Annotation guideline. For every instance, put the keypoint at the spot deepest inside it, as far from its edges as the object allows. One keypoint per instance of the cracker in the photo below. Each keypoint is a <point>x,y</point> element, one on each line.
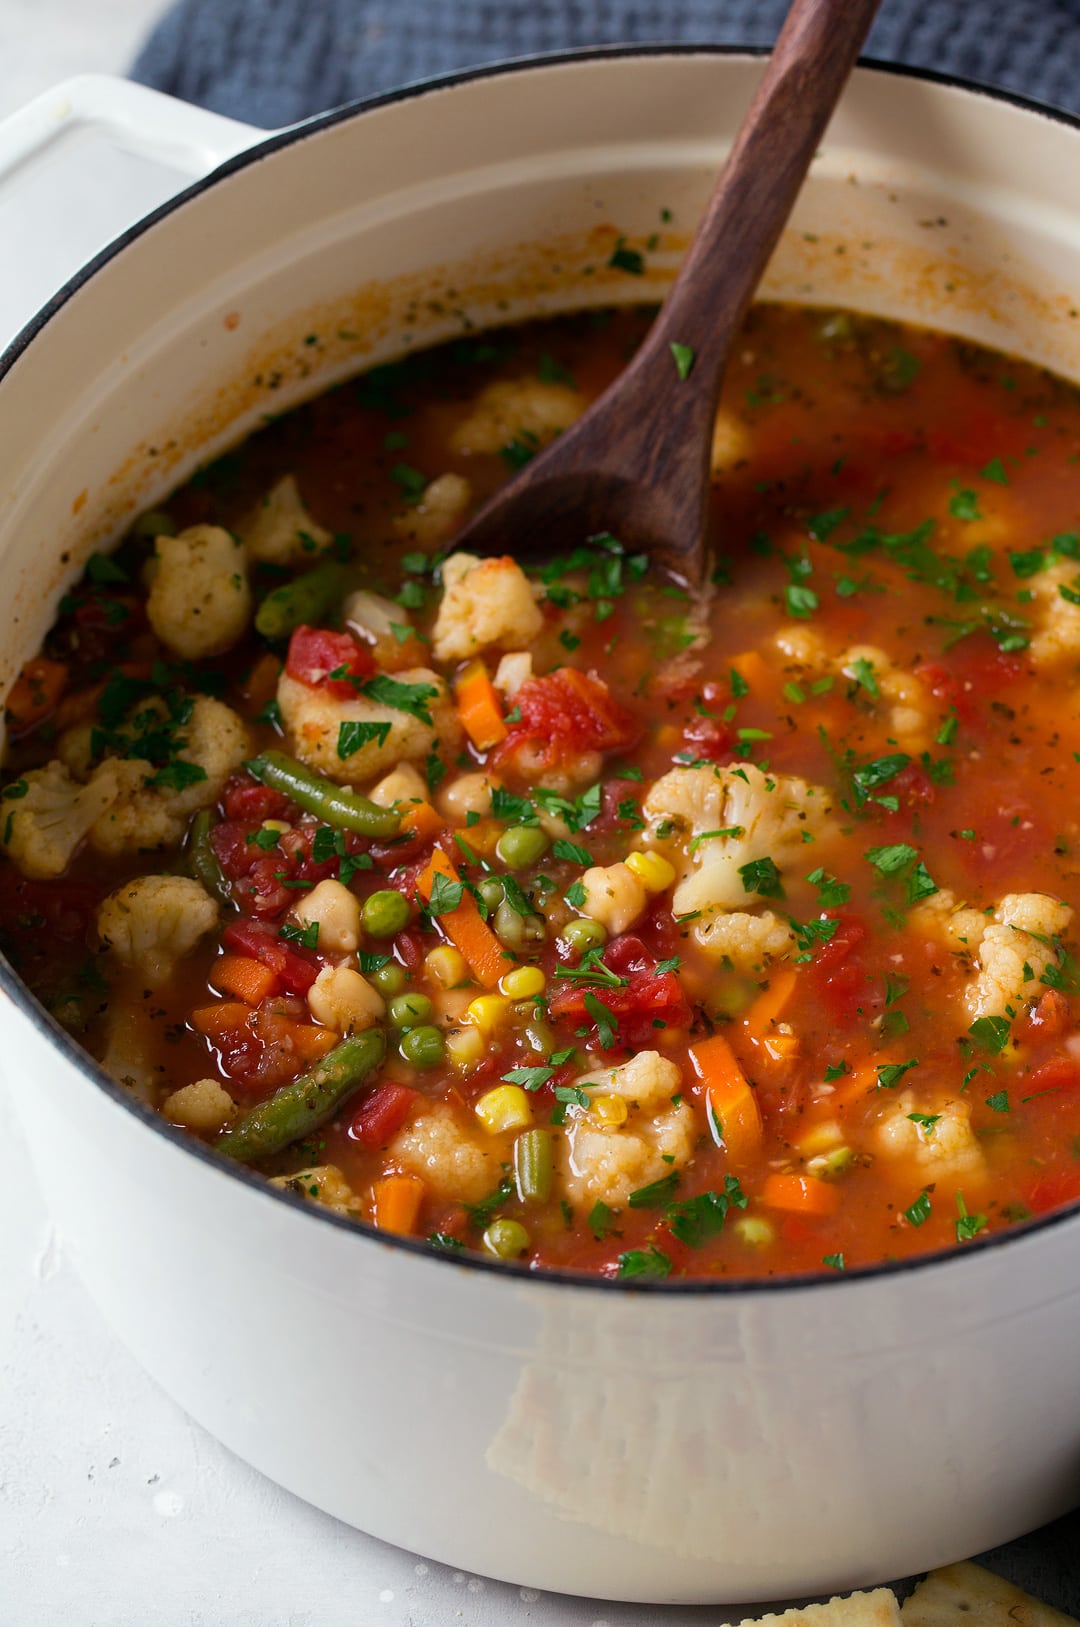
<point>876,1609</point>
<point>966,1595</point>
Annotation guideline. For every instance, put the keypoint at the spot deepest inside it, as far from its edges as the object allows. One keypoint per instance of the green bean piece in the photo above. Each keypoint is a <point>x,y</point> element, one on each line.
<point>521,846</point>
<point>307,598</point>
<point>506,1239</point>
<point>409,1011</point>
<point>384,913</point>
<point>309,1101</point>
<point>424,1047</point>
<point>388,979</point>
<point>203,861</point>
<point>534,1165</point>
<point>583,933</point>
<point>333,804</point>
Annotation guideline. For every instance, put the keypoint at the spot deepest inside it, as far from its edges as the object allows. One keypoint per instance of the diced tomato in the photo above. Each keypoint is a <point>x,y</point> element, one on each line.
<point>648,1001</point>
<point>1047,1019</point>
<point>565,713</point>
<point>261,876</point>
<point>268,1047</point>
<point>837,976</point>
<point>245,798</point>
<point>381,1115</point>
<point>60,909</point>
<point>1049,1092</point>
<point>316,652</point>
<point>411,948</point>
<point>705,732</point>
<point>1052,1189</point>
<point>296,966</point>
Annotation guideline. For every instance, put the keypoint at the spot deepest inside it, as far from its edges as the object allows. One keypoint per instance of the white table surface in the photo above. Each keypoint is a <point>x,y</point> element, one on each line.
<point>115,1509</point>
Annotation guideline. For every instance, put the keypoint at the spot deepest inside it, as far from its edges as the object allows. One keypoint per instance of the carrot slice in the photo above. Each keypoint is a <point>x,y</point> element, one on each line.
<point>420,821</point>
<point>767,1009</point>
<point>216,1021</point>
<point>248,979</point>
<point>729,1096</point>
<point>749,665</point>
<point>397,1200</point>
<point>464,926</point>
<point>478,707</point>
<point>35,693</point>
<point>800,1194</point>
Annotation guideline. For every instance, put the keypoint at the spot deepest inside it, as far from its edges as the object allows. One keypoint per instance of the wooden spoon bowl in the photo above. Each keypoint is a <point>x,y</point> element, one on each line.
<point>637,463</point>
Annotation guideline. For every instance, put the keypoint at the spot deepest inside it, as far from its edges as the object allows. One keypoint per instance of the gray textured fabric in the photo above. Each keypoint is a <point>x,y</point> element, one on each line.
<point>274,61</point>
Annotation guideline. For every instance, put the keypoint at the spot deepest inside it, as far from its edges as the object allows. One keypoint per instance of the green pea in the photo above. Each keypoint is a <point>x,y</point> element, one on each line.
<point>424,1047</point>
<point>517,931</point>
<point>491,891</point>
<point>154,523</point>
<point>389,979</point>
<point>521,846</point>
<point>384,913</point>
<point>409,1010</point>
<point>506,1239</point>
<point>583,934</point>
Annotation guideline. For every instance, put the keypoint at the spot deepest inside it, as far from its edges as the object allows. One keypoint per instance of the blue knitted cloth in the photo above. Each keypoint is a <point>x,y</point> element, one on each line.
<point>271,62</point>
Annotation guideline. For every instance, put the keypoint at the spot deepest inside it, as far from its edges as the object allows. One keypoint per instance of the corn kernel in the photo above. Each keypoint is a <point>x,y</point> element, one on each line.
<point>488,1012</point>
<point>465,1047</point>
<point>609,1111</point>
<point>446,965</point>
<point>523,983</point>
<point>504,1108</point>
<point>275,824</point>
<point>653,871</point>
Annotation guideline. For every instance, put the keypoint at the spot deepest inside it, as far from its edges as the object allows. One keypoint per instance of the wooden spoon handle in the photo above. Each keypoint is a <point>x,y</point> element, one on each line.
<point>756,192</point>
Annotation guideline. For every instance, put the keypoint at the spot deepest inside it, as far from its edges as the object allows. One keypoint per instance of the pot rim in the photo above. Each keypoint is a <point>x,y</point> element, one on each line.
<point>28,1005</point>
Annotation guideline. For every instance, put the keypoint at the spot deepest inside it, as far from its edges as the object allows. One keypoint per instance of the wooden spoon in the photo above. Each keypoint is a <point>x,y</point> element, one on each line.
<point>637,462</point>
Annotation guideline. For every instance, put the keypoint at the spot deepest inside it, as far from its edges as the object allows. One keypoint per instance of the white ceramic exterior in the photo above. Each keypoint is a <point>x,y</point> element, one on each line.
<point>675,1443</point>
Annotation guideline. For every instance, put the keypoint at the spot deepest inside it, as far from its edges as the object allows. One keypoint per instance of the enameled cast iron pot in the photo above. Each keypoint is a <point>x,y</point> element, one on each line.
<point>681,1442</point>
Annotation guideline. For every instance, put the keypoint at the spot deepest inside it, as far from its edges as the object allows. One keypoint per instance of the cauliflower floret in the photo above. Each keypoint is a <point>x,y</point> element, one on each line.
<point>324,1184</point>
<point>154,921</point>
<point>513,671</point>
<point>439,512</point>
<point>730,443</point>
<point>945,1149</point>
<point>486,603</point>
<point>144,816</point>
<point>527,409</point>
<point>46,814</point>
<point>1010,960</point>
<point>1057,642</point>
<point>129,1049</point>
<point>758,816</point>
<point>205,1107</point>
<point>909,714</point>
<point>748,942</point>
<point>280,530</point>
<point>314,718</point>
<point>449,1158</point>
<point>200,599</point>
<point>614,896</point>
<point>605,1163</point>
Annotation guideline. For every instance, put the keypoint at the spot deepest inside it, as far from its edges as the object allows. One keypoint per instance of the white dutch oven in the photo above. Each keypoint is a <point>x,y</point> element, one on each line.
<point>673,1443</point>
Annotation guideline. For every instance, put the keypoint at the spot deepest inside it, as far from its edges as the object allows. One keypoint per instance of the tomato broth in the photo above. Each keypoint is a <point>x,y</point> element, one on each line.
<point>560,914</point>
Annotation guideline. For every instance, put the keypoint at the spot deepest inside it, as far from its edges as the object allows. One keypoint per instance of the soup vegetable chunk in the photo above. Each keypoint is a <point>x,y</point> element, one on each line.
<point>550,912</point>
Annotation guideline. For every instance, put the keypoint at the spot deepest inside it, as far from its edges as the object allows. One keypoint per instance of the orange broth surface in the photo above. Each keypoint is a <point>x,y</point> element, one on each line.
<point>857,761</point>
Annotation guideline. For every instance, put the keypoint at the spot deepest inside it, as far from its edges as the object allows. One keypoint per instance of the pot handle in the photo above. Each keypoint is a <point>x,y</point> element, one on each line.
<point>81,164</point>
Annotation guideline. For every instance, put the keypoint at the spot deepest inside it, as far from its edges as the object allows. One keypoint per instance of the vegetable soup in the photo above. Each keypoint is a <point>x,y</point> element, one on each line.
<point>553,913</point>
